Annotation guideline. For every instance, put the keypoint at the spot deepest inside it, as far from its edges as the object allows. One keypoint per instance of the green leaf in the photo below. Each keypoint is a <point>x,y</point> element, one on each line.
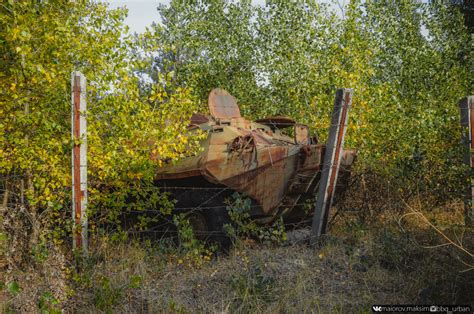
<point>13,288</point>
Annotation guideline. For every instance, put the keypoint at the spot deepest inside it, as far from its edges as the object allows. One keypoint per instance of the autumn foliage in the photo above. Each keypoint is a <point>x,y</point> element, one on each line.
<point>407,61</point>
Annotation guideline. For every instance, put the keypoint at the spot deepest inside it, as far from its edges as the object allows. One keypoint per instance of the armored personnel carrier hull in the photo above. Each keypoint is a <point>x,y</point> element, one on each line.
<point>278,172</point>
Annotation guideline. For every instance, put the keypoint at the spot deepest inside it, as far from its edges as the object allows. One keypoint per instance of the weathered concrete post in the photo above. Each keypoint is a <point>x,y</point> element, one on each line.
<point>332,159</point>
<point>79,161</point>
<point>467,121</point>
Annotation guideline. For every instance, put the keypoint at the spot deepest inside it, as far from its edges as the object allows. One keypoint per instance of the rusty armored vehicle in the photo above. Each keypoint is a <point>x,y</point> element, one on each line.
<point>278,172</point>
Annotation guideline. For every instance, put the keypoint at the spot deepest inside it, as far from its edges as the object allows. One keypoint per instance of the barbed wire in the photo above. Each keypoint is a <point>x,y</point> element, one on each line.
<point>201,207</point>
<point>290,226</point>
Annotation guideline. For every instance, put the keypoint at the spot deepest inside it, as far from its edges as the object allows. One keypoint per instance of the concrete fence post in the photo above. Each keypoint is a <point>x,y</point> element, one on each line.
<point>332,159</point>
<point>79,161</point>
<point>466,106</point>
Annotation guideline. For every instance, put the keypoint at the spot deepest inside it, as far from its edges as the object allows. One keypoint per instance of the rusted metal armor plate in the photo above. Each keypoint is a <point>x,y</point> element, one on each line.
<point>279,122</point>
<point>222,105</point>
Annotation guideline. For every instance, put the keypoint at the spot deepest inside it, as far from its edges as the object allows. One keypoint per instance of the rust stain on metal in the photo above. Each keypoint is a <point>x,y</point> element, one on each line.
<point>279,122</point>
<point>223,105</point>
<point>196,120</point>
<point>302,134</point>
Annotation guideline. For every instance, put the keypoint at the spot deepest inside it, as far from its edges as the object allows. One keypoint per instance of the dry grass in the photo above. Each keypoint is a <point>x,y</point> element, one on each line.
<point>358,265</point>
<point>260,279</point>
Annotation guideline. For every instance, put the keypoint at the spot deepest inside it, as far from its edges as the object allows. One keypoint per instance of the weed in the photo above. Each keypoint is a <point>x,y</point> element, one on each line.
<point>252,289</point>
<point>175,308</point>
<point>105,295</point>
<point>48,304</point>
<point>135,281</point>
<point>40,251</point>
<point>243,226</point>
<point>13,288</point>
<point>192,251</point>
